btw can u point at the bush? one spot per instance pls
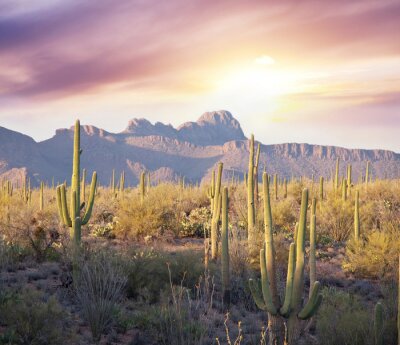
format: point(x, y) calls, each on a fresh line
point(197, 223)
point(32, 319)
point(336, 219)
point(343, 319)
point(376, 257)
point(148, 273)
point(99, 289)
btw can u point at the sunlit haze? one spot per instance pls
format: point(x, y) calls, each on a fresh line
point(290, 71)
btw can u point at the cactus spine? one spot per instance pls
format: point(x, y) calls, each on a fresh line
point(268, 300)
point(225, 249)
point(378, 324)
point(250, 196)
point(72, 217)
point(357, 216)
point(216, 212)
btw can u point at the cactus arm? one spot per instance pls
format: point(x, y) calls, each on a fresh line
point(90, 203)
point(59, 205)
point(285, 310)
point(256, 293)
point(66, 216)
point(298, 282)
point(265, 285)
point(312, 260)
point(269, 241)
point(313, 303)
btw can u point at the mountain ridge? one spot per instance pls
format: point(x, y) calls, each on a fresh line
point(192, 150)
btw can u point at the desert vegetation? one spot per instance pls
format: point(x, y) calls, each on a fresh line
point(259, 259)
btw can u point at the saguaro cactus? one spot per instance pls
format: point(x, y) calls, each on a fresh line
point(225, 249)
point(336, 184)
point(291, 310)
point(356, 216)
point(349, 185)
point(72, 218)
point(41, 197)
point(142, 187)
point(122, 183)
point(256, 177)
point(285, 188)
point(216, 212)
point(83, 185)
point(344, 190)
point(250, 197)
point(367, 173)
point(321, 188)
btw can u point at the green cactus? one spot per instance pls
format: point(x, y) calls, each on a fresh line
point(321, 188)
point(41, 197)
point(216, 212)
point(142, 188)
point(122, 183)
point(83, 185)
point(344, 190)
point(336, 183)
point(349, 182)
point(257, 159)
point(313, 238)
point(251, 221)
point(112, 185)
point(291, 310)
point(367, 173)
point(378, 324)
point(225, 249)
point(72, 217)
point(357, 216)
point(148, 182)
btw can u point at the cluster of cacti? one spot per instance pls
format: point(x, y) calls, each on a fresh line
point(72, 217)
point(291, 310)
point(214, 193)
point(225, 249)
point(7, 188)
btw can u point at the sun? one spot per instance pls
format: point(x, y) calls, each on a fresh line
point(262, 78)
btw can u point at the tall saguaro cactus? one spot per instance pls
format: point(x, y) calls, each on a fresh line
point(291, 310)
point(41, 196)
point(250, 197)
point(357, 216)
point(216, 212)
point(225, 249)
point(337, 174)
point(72, 217)
point(142, 187)
point(321, 188)
point(256, 176)
point(367, 173)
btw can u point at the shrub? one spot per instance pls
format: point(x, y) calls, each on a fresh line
point(343, 319)
point(148, 272)
point(336, 219)
point(376, 257)
point(31, 318)
point(197, 223)
point(99, 290)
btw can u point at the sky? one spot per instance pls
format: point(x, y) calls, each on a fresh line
point(314, 71)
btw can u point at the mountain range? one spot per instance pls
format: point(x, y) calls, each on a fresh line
point(192, 150)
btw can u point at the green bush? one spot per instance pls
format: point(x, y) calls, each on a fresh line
point(343, 319)
point(197, 223)
point(376, 257)
point(30, 318)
